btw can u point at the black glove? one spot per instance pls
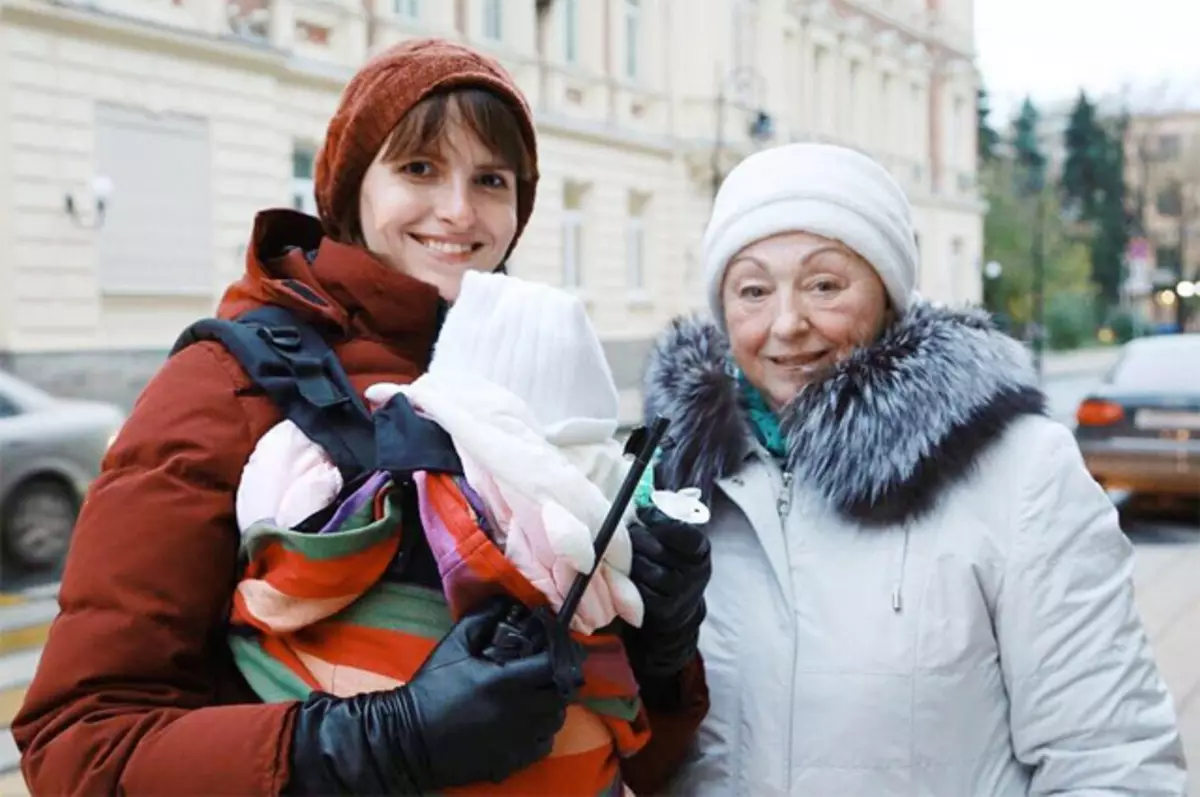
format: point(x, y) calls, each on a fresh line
point(672, 563)
point(461, 719)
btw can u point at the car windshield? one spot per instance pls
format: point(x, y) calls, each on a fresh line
point(22, 394)
point(1170, 364)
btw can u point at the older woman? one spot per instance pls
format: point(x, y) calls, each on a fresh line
point(917, 588)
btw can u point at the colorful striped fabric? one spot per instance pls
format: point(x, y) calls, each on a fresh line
point(320, 611)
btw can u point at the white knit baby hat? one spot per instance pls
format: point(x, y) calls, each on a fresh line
point(538, 342)
point(826, 190)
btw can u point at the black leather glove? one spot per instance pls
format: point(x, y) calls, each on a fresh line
point(461, 719)
point(672, 564)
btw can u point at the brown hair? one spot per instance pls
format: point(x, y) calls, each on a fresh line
point(486, 116)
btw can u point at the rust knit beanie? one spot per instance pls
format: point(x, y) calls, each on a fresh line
point(378, 97)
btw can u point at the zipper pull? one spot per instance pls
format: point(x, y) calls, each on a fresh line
point(784, 503)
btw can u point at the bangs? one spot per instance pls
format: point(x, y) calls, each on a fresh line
point(486, 116)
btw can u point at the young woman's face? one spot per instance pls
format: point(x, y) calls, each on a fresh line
point(794, 305)
point(437, 214)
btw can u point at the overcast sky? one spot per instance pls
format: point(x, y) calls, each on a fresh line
point(1050, 48)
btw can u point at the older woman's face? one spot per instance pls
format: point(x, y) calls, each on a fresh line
point(795, 304)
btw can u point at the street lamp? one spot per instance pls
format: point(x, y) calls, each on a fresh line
point(991, 272)
point(760, 128)
point(1039, 282)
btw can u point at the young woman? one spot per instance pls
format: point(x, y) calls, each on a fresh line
point(428, 171)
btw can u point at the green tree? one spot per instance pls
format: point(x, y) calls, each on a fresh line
point(1086, 142)
point(987, 139)
point(1009, 240)
point(1030, 161)
point(1093, 187)
point(1113, 219)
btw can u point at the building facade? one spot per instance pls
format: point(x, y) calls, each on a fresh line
point(139, 137)
point(1163, 174)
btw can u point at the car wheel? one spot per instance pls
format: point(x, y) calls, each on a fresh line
point(37, 523)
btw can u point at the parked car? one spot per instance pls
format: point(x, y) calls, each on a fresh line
point(50, 451)
point(1139, 430)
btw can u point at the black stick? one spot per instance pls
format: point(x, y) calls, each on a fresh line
point(654, 434)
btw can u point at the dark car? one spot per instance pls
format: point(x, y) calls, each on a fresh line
point(50, 450)
point(1139, 429)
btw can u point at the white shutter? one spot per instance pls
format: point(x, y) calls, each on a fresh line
point(157, 237)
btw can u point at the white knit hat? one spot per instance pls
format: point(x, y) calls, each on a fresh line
point(822, 189)
point(537, 342)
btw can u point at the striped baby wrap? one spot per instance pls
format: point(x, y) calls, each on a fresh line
point(323, 610)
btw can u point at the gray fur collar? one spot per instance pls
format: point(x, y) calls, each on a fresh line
point(880, 438)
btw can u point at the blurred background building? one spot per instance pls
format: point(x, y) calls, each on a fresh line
point(139, 137)
point(1161, 148)
point(1163, 174)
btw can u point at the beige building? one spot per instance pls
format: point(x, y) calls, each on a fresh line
point(1163, 173)
point(139, 137)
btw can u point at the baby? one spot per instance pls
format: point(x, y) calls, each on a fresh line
point(519, 381)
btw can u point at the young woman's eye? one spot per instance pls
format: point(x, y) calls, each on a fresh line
point(493, 180)
point(417, 168)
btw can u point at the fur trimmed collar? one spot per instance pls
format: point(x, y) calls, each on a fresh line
point(880, 437)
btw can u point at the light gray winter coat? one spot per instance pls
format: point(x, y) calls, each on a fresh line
point(931, 598)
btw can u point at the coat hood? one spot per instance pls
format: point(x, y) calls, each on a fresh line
point(880, 437)
point(339, 288)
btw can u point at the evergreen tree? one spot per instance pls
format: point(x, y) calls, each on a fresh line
point(1112, 219)
point(987, 139)
point(1083, 169)
point(1031, 163)
point(1093, 187)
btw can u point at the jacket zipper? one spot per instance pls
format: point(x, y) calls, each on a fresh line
point(784, 503)
point(783, 506)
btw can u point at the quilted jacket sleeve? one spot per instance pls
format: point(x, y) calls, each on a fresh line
point(1090, 712)
point(127, 697)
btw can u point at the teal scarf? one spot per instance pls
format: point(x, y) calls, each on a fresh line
point(763, 421)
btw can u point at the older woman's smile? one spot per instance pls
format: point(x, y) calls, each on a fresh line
point(799, 361)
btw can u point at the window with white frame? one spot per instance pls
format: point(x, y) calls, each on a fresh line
point(854, 86)
point(959, 273)
point(303, 191)
point(570, 24)
point(745, 33)
point(886, 115)
point(633, 38)
point(407, 8)
point(493, 19)
point(822, 108)
point(573, 218)
point(635, 241)
point(916, 146)
point(957, 135)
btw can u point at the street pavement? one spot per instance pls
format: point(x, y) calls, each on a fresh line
point(1167, 589)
